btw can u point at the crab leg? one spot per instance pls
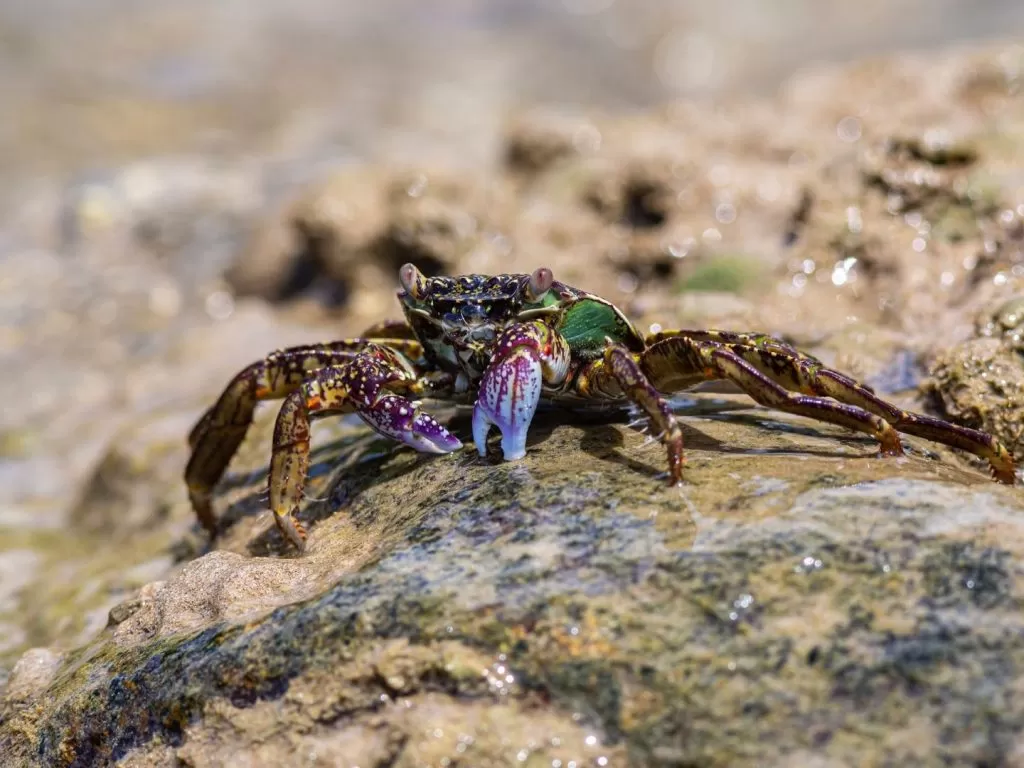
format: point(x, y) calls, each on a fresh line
point(622, 366)
point(778, 376)
point(218, 433)
point(366, 385)
point(526, 356)
point(811, 376)
point(733, 339)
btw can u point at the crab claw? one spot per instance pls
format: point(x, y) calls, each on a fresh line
point(397, 418)
point(428, 436)
point(509, 394)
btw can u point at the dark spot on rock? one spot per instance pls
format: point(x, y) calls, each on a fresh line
point(592, 689)
point(643, 206)
point(396, 246)
point(937, 153)
point(961, 574)
point(798, 218)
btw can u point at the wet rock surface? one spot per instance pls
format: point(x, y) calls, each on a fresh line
point(799, 600)
point(798, 596)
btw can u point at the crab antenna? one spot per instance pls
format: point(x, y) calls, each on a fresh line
point(539, 284)
point(412, 281)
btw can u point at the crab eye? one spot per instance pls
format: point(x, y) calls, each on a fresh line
point(539, 284)
point(413, 281)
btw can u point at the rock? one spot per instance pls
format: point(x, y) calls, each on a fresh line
point(344, 239)
point(31, 676)
point(127, 490)
point(797, 596)
point(315, 243)
point(537, 141)
point(980, 383)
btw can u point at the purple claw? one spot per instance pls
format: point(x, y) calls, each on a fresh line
point(397, 418)
point(509, 393)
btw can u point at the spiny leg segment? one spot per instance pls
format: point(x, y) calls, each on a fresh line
point(618, 373)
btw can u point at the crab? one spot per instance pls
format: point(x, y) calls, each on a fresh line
point(504, 343)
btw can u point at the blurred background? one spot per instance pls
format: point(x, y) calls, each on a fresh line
point(151, 154)
point(87, 85)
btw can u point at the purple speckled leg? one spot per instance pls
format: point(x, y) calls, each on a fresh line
point(527, 356)
point(366, 384)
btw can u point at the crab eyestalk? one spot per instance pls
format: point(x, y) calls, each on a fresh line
point(413, 281)
point(540, 283)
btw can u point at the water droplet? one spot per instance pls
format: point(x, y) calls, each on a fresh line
point(678, 250)
point(854, 222)
point(220, 305)
point(417, 186)
point(849, 128)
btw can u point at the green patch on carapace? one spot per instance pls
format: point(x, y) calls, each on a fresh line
point(589, 323)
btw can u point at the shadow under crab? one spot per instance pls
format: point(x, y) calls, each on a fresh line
point(504, 343)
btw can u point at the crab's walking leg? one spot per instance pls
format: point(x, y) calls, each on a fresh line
point(723, 363)
point(622, 365)
point(526, 356)
point(824, 381)
point(805, 374)
point(218, 433)
point(367, 384)
point(718, 361)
